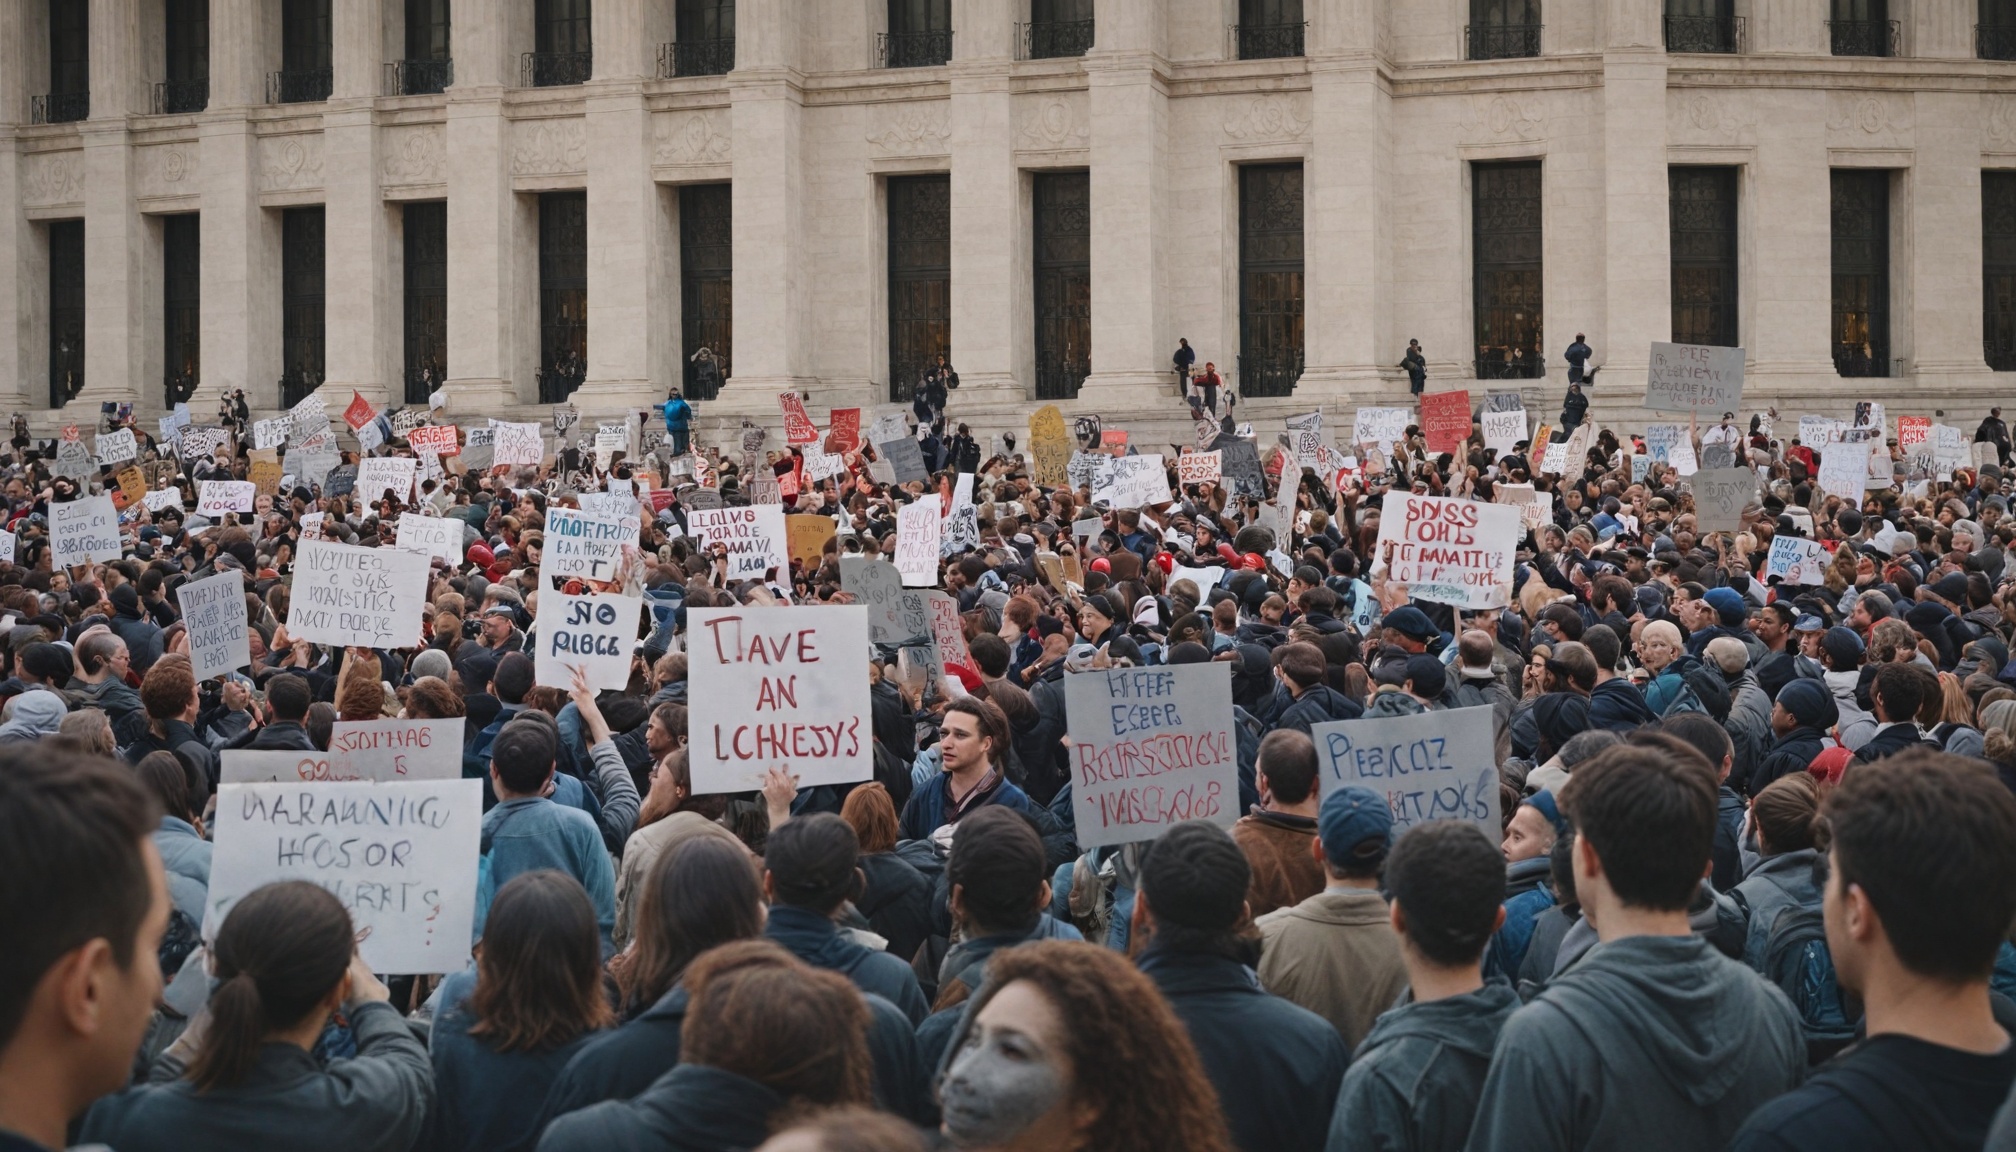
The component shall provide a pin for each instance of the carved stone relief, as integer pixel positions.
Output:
(1052, 122)
(914, 128)
(1706, 118)
(1868, 118)
(414, 154)
(54, 177)
(1272, 117)
(165, 169)
(1493, 119)
(550, 148)
(692, 138)
(1999, 120)
(290, 163)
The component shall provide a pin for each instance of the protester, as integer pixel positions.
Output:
(1278, 835)
(809, 871)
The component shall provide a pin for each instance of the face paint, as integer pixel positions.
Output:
(998, 1086)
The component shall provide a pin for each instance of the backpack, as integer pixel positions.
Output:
(1797, 961)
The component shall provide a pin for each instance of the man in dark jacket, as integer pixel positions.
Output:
(1414, 1080)
(1801, 717)
(809, 871)
(1300, 667)
(143, 638)
(1577, 355)
(1895, 697)
(1701, 732)
(289, 697)
(1276, 1066)
(1573, 407)
(1614, 703)
(102, 663)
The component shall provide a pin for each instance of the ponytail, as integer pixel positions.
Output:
(280, 952)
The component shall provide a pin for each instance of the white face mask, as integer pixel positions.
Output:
(997, 1086)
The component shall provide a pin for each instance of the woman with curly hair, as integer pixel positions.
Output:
(1070, 1047)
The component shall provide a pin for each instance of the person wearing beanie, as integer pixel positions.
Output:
(1276, 1066)
(1730, 612)
(1841, 654)
(1527, 849)
(130, 623)
(1801, 719)
(432, 662)
(1409, 628)
(1335, 953)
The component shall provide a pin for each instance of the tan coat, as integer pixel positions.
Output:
(1337, 955)
(1280, 851)
(640, 857)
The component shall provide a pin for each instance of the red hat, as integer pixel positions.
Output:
(1253, 562)
(1165, 562)
(1830, 764)
(481, 556)
(1102, 565)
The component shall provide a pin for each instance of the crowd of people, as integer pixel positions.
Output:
(1752, 885)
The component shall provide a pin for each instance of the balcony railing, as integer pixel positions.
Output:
(418, 77)
(1723, 34)
(1054, 39)
(555, 69)
(1268, 41)
(1862, 37)
(178, 96)
(1273, 377)
(915, 49)
(1995, 41)
(714, 56)
(299, 86)
(1501, 41)
(60, 108)
(1503, 364)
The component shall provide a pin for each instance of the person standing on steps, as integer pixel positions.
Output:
(679, 419)
(1185, 359)
(1577, 355)
(1206, 382)
(1416, 365)
(1573, 407)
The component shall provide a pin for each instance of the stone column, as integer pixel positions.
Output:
(773, 290)
(1347, 314)
(1637, 260)
(1130, 154)
(1941, 334)
(484, 282)
(241, 241)
(115, 239)
(991, 305)
(362, 334)
(24, 370)
(1786, 281)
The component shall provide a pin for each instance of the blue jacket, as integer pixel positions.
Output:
(692, 1108)
(186, 858)
(817, 940)
(1414, 1081)
(484, 1099)
(925, 811)
(678, 414)
(1617, 705)
(1527, 880)
(526, 835)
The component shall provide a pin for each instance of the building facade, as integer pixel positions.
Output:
(531, 200)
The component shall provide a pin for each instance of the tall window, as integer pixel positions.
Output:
(1063, 243)
(1505, 216)
(69, 96)
(426, 276)
(563, 294)
(1861, 28)
(187, 88)
(1270, 279)
(920, 278)
(705, 38)
(302, 252)
(920, 34)
(1269, 28)
(706, 286)
(66, 311)
(1503, 28)
(304, 74)
(563, 36)
(1702, 206)
(1861, 268)
(181, 306)
(1057, 28)
(1703, 26)
(1995, 35)
(428, 66)
(1998, 269)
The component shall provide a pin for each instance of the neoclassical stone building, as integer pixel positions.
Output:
(535, 198)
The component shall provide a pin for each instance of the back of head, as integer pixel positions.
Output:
(1194, 879)
(1604, 646)
(168, 689)
(280, 952)
(1476, 649)
(812, 862)
(1728, 654)
(513, 677)
(997, 865)
(289, 697)
(523, 755)
(49, 663)
(702, 892)
(1900, 689)
(850, 1129)
(1448, 880)
(1784, 812)
(759, 1012)
(1702, 733)
(1648, 808)
(1576, 663)
(1931, 839)
(873, 814)
(1287, 761)
(162, 774)
(539, 975)
(990, 653)
(1301, 662)
(1585, 744)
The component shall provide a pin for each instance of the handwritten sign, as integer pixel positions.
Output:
(1243, 473)
(1382, 426)
(1445, 421)
(162, 499)
(265, 477)
(1151, 747)
(1720, 495)
(1432, 766)
(778, 689)
(438, 439)
(845, 434)
(585, 545)
(596, 632)
(1796, 560)
(754, 537)
(1200, 467)
(1694, 378)
(431, 536)
(1504, 427)
(917, 533)
(1051, 445)
(1844, 467)
(84, 531)
(1456, 552)
(947, 632)
(117, 447)
(390, 751)
(359, 412)
(347, 595)
(1140, 481)
(216, 497)
(378, 474)
(401, 858)
(896, 617)
(905, 460)
(798, 427)
(518, 444)
(214, 610)
(808, 536)
(74, 460)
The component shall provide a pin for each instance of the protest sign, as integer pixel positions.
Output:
(1305, 437)
(1430, 766)
(1694, 378)
(596, 633)
(1718, 456)
(1456, 552)
(1091, 470)
(620, 507)
(1797, 560)
(270, 433)
(216, 497)
(774, 689)
(242, 766)
(1641, 467)
(798, 427)
(1720, 495)
(378, 474)
(906, 459)
(406, 420)
(6, 547)
(1445, 421)
(1555, 460)
(1682, 457)
(117, 447)
(820, 465)
(359, 413)
(1913, 431)
(1199, 467)
(73, 459)
(84, 531)
(1140, 481)
(314, 467)
(431, 536)
(400, 857)
(808, 536)
(214, 610)
(753, 536)
(162, 499)
(896, 616)
(346, 595)
(1844, 467)
(1205, 578)
(199, 442)
(889, 425)
(436, 438)
(1381, 426)
(1504, 426)
(1050, 444)
(1243, 474)
(391, 751)
(1536, 509)
(764, 489)
(265, 476)
(845, 425)
(917, 532)
(946, 631)
(1151, 747)
(1660, 439)
(308, 418)
(1817, 432)
(585, 545)
(132, 484)
(518, 444)
(1949, 449)
(959, 529)
(341, 481)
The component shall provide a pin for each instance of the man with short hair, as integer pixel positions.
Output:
(526, 831)
(500, 629)
(1301, 669)
(1479, 685)
(1414, 1081)
(1921, 888)
(288, 698)
(972, 752)
(809, 870)
(1614, 703)
(83, 911)
(1652, 1040)
(1277, 833)
(1335, 953)
(1895, 695)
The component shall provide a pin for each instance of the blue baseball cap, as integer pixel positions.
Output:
(1809, 623)
(1350, 822)
(1724, 599)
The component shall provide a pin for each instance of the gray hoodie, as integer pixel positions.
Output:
(1413, 1082)
(1649, 1043)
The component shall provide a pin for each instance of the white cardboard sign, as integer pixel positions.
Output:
(596, 632)
(216, 497)
(580, 544)
(1151, 747)
(754, 537)
(1431, 766)
(347, 595)
(917, 538)
(1798, 560)
(117, 447)
(1456, 552)
(84, 531)
(774, 688)
(1694, 378)
(214, 610)
(896, 616)
(390, 751)
(519, 444)
(431, 536)
(377, 473)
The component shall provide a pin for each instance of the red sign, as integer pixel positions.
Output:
(798, 427)
(359, 413)
(1913, 431)
(661, 499)
(1113, 438)
(1445, 420)
(844, 430)
(436, 438)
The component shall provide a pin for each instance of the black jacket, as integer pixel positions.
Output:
(1617, 705)
(692, 1108)
(1318, 705)
(1787, 756)
(896, 902)
(1889, 740)
(278, 736)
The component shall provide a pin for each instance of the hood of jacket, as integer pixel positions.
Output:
(1619, 697)
(813, 938)
(1393, 703)
(111, 694)
(1468, 1023)
(695, 1107)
